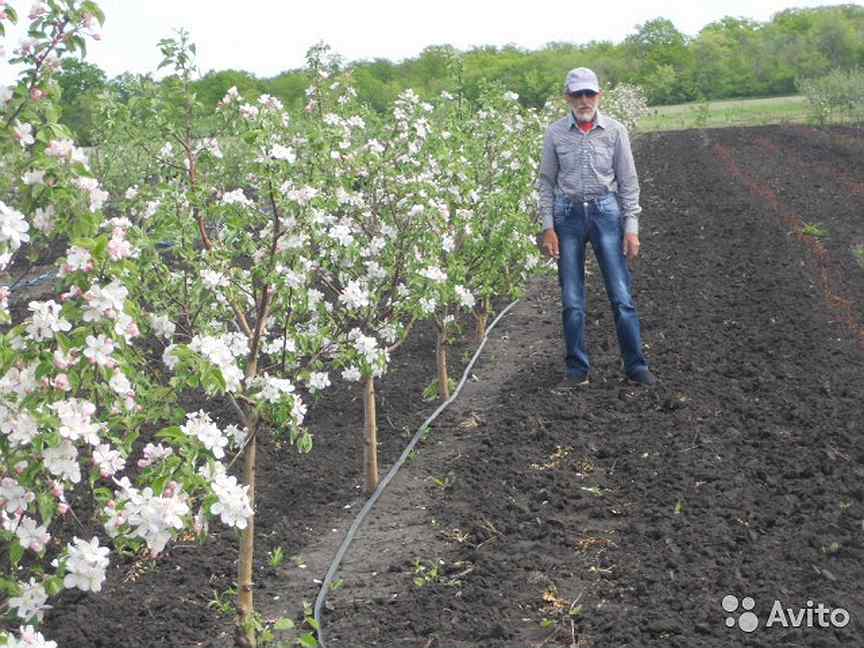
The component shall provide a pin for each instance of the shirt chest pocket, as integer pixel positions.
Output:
(602, 155)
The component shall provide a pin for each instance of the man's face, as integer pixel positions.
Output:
(584, 104)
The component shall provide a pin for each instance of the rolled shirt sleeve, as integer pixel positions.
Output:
(547, 179)
(628, 182)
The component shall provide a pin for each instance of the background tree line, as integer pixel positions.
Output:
(732, 57)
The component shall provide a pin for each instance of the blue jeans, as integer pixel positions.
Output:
(600, 222)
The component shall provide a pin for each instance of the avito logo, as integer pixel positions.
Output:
(813, 615)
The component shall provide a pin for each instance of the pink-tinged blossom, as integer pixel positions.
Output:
(105, 302)
(14, 498)
(20, 381)
(43, 219)
(75, 420)
(249, 112)
(126, 327)
(63, 149)
(119, 246)
(86, 565)
(154, 454)
(24, 134)
(45, 321)
(29, 639)
(31, 535)
(232, 96)
(13, 227)
(61, 382)
(77, 259)
(99, 350)
(200, 426)
(62, 461)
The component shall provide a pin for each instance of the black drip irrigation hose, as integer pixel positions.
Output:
(367, 507)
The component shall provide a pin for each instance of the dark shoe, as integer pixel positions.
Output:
(576, 379)
(643, 376)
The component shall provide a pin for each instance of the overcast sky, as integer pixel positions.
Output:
(266, 37)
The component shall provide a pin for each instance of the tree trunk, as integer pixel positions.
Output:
(370, 443)
(480, 319)
(247, 551)
(441, 354)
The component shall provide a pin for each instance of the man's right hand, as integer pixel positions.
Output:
(550, 243)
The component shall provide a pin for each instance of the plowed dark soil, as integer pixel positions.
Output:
(641, 509)
(611, 515)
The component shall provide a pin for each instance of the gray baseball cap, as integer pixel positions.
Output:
(581, 79)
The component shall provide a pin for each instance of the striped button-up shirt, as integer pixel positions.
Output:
(585, 166)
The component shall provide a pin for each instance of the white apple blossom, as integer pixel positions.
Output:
(169, 356)
(351, 374)
(355, 295)
(13, 226)
(155, 517)
(434, 273)
(77, 259)
(162, 326)
(34, 177)
(199, 425)
(75, 416)
(20, 428)
(318, 380)
(213, 279)
(466, 299)
(62, 461)
(45, 321)
(233, 506)
(285, 153)
(236, 197)
(14, 498)
(108, 460)
(86, 565)
(30, 602)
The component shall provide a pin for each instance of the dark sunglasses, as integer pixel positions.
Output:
(583, 93)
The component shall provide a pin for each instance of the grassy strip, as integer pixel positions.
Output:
(730, 112)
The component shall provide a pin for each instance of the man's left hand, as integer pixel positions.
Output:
(631, 246)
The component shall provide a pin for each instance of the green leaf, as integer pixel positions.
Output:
(16, 552)
(308, 641)
(47, 506)
(284, 624)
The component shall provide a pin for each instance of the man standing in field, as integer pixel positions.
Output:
(589, 191)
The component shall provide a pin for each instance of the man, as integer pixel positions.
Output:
(589, 191)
